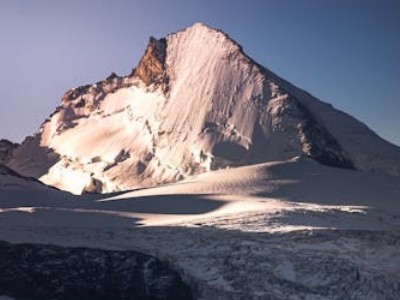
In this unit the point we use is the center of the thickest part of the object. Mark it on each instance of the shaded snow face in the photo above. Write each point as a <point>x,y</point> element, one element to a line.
<point>12,181</point>
<point>195,103</point>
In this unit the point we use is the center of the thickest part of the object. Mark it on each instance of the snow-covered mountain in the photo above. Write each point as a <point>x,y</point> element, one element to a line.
<point>196,102</point>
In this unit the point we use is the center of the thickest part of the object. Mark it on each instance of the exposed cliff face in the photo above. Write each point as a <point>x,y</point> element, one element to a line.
<point>31,271</point>
<point>152,69</point>
<point>195,103</point>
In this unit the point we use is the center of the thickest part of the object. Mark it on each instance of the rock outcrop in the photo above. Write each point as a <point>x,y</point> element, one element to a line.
<point>152,68</point>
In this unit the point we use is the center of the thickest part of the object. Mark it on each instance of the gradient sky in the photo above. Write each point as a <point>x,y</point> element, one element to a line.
<point>343,52</point>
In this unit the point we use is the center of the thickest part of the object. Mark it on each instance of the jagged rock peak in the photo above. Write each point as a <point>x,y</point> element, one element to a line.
<point>151,68</point>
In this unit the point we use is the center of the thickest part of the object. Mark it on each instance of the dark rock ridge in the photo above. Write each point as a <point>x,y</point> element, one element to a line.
<point>89,96</point>
<point>9,179</point>
<point>319,144</point>
<point>25,155</point>
<point>29,271</point>
<point>6,150</point>
<point>4,170</point>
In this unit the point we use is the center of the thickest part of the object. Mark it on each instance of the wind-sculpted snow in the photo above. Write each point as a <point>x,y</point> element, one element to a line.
<point>195,103</point>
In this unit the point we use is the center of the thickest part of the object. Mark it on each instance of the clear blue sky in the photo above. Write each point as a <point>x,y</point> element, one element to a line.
<point>344,52</point>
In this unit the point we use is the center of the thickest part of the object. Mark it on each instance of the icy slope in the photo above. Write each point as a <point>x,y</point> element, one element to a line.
<point>195,103</point>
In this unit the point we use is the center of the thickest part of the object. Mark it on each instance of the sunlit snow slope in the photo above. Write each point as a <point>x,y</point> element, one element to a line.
<point>195,103</point>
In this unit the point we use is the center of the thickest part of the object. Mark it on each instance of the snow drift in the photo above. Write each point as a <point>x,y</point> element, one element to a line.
<point>195,103</point>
